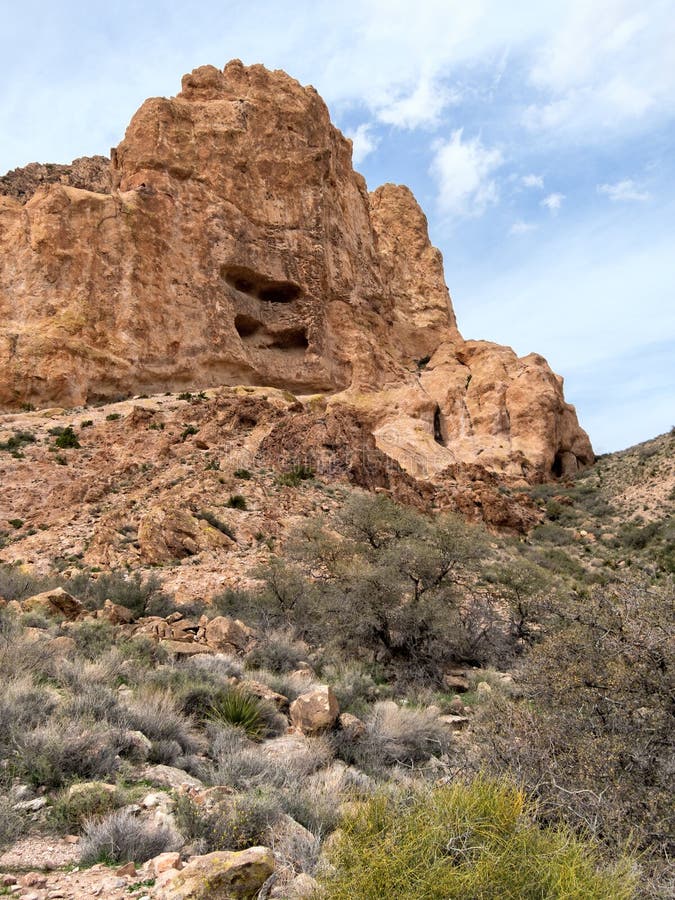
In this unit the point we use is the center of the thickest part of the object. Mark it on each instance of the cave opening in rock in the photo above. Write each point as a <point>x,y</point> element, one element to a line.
<point>279,292</point>
<point>438,427</point>
<point>558,466</point>
<point>255,284</point>
<point>246,325</point>
<point>291,339</point>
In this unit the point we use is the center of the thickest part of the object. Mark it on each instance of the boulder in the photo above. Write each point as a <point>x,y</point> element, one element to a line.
<point>167,533</point>
<point>115,613</point>
<point>226,635</point>
<point>315,711</point>
<point>57,603</point>
<point>223,875</point>
<point>171,777</point>
<point>352,726</point>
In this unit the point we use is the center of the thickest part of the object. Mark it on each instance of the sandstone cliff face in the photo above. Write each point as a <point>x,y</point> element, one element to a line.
<point>231,242</point>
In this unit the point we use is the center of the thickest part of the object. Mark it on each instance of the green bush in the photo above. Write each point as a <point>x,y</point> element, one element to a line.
<point>67,439</point>
<point>244,474</point>
<point>237,501</point>
<point>215,522</point>
<point>71,808</point>
<point>295,476</point>
<point>18,440</point>
<point>235,824</point>
<point>464,841</point>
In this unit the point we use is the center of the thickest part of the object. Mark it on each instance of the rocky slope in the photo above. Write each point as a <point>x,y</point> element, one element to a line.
<point>232,243</point>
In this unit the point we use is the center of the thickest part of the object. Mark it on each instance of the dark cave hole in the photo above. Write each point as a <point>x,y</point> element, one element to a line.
<point>248,281</point>
<point>558,466</point>
<point>279,292</point>
<point>291,339</point>
<point>438,429</point>
<point>246,325</point>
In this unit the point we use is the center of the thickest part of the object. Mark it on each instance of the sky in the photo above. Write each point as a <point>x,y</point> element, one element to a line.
<point>538,137</point>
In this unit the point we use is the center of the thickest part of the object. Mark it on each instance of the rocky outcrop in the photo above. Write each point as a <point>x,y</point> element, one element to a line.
<point>234,244</point>
<point>223,875</point>
<point>89,173</point>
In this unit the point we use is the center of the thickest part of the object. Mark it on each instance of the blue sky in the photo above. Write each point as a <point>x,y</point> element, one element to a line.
<point>538,137</point>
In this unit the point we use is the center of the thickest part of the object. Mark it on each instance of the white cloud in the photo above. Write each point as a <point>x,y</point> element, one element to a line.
<point>364,142</point>
<point>422,107</point>
<point>623,191</point>
<point>533,181</point>
<point>553,202</point>
<point>463,170</point>
<point>521,227</point>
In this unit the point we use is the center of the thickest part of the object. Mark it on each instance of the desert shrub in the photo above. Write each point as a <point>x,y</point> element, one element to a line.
<point>277,652</point>
<point>593,737</point>
<point>550,533</point>
<point>395,735</point>
<point>235,824</point>
<point>12,822</point>
<point>244,474</point>
<point>52,754</point>
<point>67,439</point>
<point>219,666</point>
<point>18,440</point>
<point>17,584</point>
<point>217,523</point>
<point>397,582</point>
<point>238,708</point>
<point>353,685</point>
<point>238,762</point>
<point>18,655</point>
<point>295,476</point>
<point>93,637</point>
<point>465,840</point>
<point>93,701</point>
<point>71,809</point>
<point>23,706</point>
<point>237,501</point>
<point>121,837</point>
<point>128,589</point>
<point>142,652</point>
<point>157,715</point>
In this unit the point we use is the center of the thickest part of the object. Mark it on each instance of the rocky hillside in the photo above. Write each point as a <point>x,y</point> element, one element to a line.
<point>231,242</point>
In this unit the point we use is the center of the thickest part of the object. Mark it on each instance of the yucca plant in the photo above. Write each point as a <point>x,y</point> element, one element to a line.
<point>239,709</point>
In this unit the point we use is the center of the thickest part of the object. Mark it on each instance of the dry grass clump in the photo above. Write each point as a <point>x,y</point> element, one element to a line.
<point>122,837</point>
<point>63,750</point>
<point>395,735</point>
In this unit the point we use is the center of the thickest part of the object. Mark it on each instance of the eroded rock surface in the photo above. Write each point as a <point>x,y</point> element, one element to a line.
<point>231,242</point>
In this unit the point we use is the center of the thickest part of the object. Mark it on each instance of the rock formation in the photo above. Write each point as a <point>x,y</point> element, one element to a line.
<point>231,242</point>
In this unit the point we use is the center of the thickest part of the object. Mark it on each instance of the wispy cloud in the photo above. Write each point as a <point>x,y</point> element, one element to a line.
<point>364,142</point>
<point>553,202</point>
<point>622,191</point>
<point>533,181</point>
<point>464,172</point>
<point>521,227</point>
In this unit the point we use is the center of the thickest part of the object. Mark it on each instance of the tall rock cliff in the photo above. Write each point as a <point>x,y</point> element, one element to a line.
<point>230,242</point>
